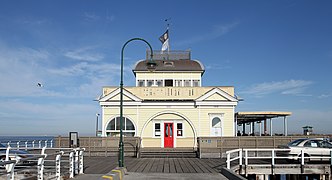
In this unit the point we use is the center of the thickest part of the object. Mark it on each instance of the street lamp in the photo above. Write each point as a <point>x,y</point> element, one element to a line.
<point>150,66</point>
<point>97,114</point>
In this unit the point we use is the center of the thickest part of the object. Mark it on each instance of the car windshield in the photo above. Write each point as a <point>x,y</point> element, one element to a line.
<point>295,143</point>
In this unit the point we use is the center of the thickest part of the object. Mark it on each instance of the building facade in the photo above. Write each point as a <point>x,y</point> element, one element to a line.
<point>169,107</point>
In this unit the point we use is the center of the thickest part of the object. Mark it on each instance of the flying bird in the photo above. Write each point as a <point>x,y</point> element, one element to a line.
<point>40,85</point>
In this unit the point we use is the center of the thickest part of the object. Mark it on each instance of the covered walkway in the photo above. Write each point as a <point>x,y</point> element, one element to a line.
<point>260,118</point>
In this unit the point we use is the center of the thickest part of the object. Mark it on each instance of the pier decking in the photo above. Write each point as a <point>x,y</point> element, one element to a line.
<point>101,165</point>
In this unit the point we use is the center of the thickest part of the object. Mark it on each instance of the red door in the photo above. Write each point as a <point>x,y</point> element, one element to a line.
<point>168,135</point>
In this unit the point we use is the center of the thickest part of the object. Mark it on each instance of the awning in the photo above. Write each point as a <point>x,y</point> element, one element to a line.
<point>246,117</point>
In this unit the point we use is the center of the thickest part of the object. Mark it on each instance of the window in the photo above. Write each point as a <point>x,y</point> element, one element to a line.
<point>140,83</point>
<point>169,82</point>
<point>187,83</point>
<point>216,125</point>
<point>195,83</point>
<point>113,127</point>
<point>157,130</point>
<point>179,131</point>
<point>159,83</point>
<point>149,83</point>
<point>178,83</point>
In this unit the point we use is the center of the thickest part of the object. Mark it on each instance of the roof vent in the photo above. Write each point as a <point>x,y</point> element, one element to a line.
<point>168,63</point>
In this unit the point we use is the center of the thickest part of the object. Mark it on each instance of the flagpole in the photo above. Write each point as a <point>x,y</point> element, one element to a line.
<point>168,37</point>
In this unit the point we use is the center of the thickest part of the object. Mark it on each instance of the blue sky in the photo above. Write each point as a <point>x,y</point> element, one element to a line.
<point>277,54</point>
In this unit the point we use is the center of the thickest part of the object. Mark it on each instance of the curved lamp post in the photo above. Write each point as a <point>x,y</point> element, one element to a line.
<point>150,66</point>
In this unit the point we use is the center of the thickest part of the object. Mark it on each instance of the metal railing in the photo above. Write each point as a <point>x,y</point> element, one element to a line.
<point>216,147</point>
<point>30,143</point>
<point>240,158</point>
<point>50,163</point>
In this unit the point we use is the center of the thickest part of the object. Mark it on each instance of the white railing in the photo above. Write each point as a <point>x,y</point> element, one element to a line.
<point>29,144</point>
<point>259,154</point>
<point>53,167</point>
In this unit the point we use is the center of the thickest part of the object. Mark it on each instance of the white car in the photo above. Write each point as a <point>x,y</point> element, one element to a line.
<point>313,147</point>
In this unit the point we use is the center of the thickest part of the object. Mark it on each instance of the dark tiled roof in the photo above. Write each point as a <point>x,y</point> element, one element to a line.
<point>171,65</point>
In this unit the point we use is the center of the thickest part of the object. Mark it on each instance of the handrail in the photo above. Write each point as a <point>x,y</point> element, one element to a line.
<point>76,162</point>
<point>30,143</point>
<point>240,154</point>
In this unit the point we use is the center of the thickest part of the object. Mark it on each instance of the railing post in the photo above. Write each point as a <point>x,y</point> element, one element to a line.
<point>302,157</point>
<point>51,143</point>
<point>76,161</point>
<point>331,157</point>
<point>39,144</point>
<point>58,165</point>
<point>81,161</point>
<point>228,160</point>
<point>33,144</point>
<point>8,166</point>
<point>26,145</point>
<point>246,157</point>
<point>41,165</point>
<point>10,170</point>
<point>45,143</point>
<point>273,162</point>
<point>241,156</point>
<point>18,145</point>
<point>71,164</point>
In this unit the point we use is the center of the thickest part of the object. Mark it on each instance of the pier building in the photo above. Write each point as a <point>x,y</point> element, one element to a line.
<point>169,107</point>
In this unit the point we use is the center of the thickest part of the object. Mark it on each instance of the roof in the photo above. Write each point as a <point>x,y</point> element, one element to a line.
<point>243,117</point>
<point>171,65</point>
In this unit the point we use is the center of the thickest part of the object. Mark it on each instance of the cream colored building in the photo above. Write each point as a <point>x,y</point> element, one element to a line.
<point>168,107</point>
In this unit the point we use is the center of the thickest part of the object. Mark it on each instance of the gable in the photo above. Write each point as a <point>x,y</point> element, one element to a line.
<point>216,97</point>
<point>115,96</point>
<point>216,94</point>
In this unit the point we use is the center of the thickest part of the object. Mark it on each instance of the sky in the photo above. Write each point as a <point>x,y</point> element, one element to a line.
<point>277,54</point>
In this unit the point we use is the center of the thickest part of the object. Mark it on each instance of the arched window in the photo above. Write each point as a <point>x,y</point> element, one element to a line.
<point>113,127</point>
<point>216,127</point>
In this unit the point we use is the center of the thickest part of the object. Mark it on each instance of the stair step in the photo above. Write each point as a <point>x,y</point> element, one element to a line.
<point>168,153</point>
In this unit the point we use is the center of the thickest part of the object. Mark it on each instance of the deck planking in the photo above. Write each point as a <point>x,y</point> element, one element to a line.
<point>100,165</point>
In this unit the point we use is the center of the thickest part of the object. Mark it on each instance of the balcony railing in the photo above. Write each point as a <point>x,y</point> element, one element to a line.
<point>169,55</point>
<point>169,93</point>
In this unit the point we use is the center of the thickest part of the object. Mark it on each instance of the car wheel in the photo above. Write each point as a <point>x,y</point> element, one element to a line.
<point>306,158</point>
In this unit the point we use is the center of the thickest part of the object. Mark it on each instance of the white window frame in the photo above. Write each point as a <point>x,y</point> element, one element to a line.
<point>154,129</point>
<point>124,125</point>
<point>147,82</point>
<point>140,80</point>
<point>176,129</point>
<point>221,117</point>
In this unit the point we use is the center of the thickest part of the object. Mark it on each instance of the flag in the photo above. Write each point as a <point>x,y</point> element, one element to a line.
<point>164,40</point>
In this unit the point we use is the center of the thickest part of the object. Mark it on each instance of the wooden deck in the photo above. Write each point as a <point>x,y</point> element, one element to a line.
<point>102,165</point>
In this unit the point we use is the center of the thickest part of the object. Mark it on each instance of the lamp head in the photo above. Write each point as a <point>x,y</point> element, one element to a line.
<point>151,65</point>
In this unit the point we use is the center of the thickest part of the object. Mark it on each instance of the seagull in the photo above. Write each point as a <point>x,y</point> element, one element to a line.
<point>39,85</point>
